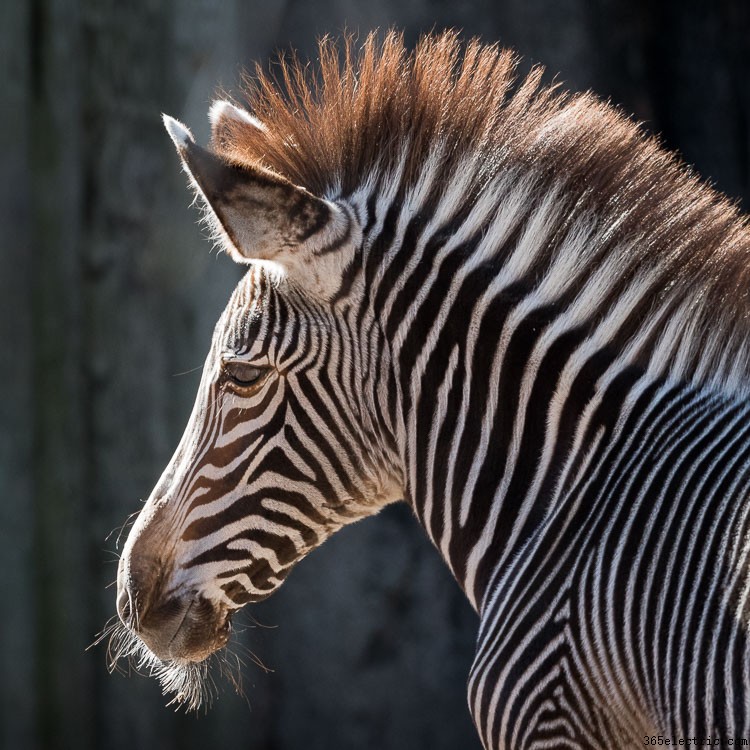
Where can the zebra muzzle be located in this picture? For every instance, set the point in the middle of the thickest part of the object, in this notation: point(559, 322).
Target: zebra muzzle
point(187, 627)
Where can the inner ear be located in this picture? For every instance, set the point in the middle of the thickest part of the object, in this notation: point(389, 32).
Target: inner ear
point(261, 215)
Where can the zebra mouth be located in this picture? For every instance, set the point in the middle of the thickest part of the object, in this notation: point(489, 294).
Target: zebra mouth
point(187, 630)
point(180, 626)
point(183, 668)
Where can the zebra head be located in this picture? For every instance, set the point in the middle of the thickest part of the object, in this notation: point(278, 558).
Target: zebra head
point(281, 449)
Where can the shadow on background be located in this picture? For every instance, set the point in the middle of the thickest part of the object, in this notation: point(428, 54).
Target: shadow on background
point(108, 295)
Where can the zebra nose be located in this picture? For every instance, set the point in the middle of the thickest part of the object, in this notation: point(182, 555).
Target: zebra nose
point(142, 609)
point(130, 592)
point(183, 625)
point(138, 589)
point(124, 610)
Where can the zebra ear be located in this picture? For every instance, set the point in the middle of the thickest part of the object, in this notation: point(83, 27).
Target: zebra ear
point(259, 214)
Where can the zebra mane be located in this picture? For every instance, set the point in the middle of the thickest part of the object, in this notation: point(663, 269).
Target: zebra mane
point(362, 114)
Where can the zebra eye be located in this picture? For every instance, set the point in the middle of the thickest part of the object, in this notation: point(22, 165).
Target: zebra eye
point(243, 374)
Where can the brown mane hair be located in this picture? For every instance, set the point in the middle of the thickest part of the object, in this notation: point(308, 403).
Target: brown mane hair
point(373, 110)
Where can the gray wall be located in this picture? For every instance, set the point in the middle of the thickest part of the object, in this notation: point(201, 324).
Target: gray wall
point(108, 294)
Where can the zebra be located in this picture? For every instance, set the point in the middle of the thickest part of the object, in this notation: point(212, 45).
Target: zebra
point(511, 308)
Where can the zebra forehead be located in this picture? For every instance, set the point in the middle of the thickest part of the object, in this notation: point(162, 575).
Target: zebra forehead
point(254, 312)
point(248, 309)
point(253, 291)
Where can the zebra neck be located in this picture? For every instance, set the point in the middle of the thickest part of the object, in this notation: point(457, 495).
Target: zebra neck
point(508, 321)
point(492, 419)
point(506, 409)
point(504, 470)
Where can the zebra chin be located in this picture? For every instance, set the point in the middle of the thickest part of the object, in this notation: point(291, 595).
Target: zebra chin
point(172, 641)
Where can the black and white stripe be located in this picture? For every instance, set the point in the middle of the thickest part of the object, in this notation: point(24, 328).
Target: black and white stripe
point(571, 436)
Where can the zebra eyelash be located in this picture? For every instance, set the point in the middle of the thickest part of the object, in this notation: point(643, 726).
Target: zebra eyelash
point(242, 376)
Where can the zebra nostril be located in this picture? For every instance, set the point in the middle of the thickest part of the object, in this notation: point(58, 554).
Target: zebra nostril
point(124, 609)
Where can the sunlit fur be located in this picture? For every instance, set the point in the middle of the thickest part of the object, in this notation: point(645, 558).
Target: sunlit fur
point(536, 333)
point(189, 683)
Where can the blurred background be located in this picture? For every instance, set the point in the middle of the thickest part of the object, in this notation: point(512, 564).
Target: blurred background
point(108, 295)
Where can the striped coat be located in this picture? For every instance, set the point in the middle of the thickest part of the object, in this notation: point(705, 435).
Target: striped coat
point(510, 308)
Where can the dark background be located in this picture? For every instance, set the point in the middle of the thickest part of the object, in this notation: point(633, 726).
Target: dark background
point(108, 294)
